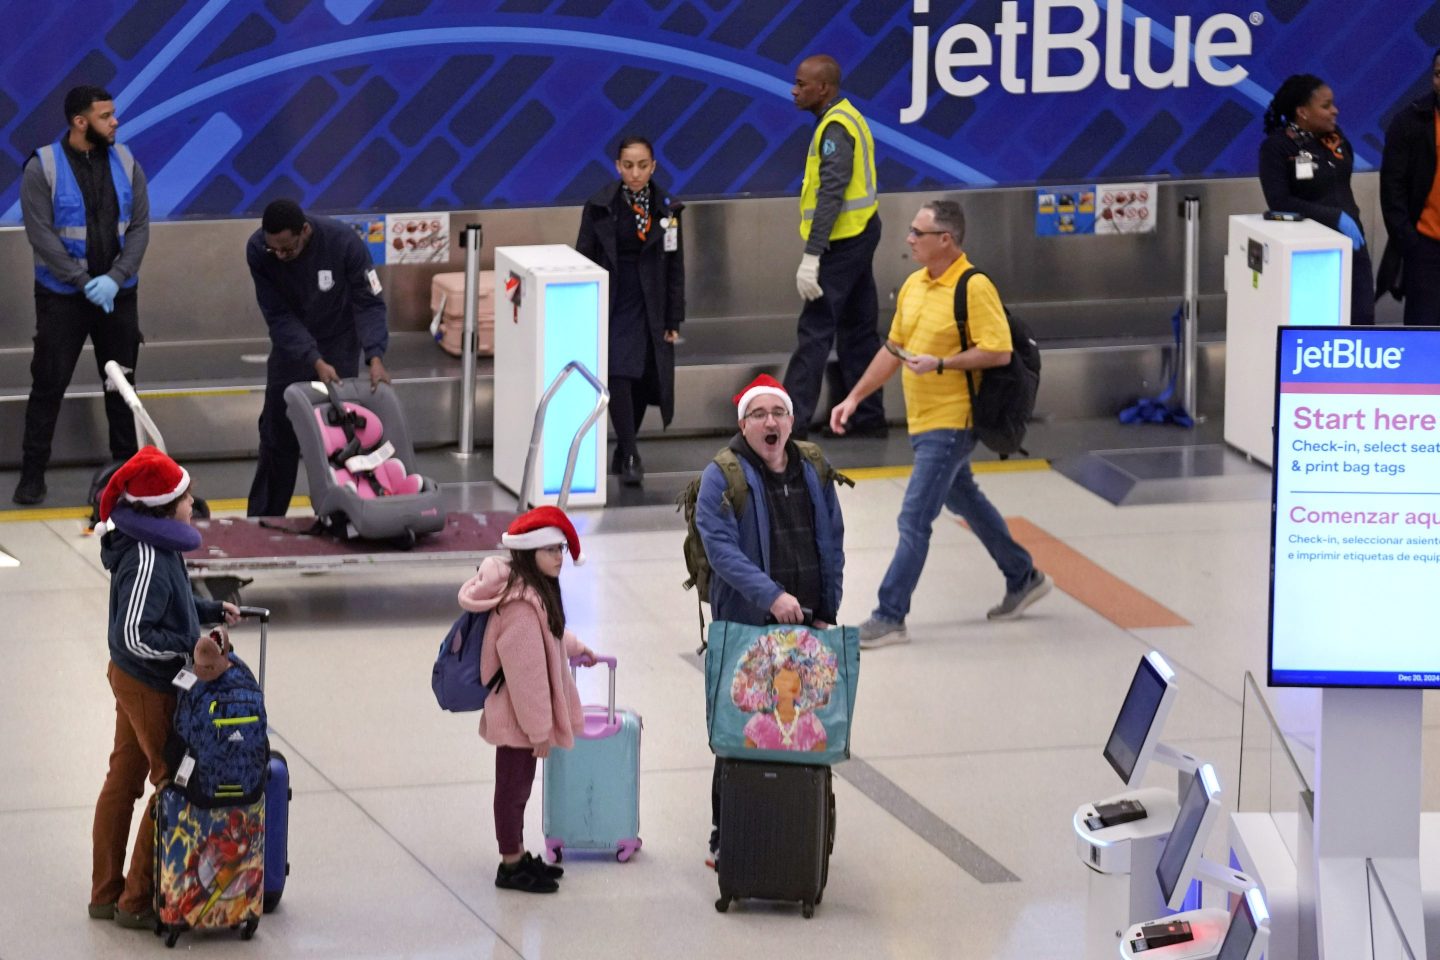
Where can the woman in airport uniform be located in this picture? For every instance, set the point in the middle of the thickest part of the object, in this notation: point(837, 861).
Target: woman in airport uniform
point(1305, 166)
point(632, 228)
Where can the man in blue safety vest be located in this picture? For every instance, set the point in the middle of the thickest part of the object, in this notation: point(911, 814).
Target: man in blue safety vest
point(841, 229)
point(87, 217)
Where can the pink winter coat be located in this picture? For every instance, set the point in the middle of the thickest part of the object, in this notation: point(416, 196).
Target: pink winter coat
point(538, 702)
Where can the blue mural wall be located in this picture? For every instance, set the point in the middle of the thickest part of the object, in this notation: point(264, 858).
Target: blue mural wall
point(358, 105)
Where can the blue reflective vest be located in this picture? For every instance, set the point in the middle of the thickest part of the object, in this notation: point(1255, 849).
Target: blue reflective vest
point(69, 207)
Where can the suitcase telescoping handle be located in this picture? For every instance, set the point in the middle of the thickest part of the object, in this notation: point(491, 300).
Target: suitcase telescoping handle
point(263, 615)
point(610, 662)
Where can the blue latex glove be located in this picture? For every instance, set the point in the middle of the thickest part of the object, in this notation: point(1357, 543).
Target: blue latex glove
point(1351, 229)
point(101, 292)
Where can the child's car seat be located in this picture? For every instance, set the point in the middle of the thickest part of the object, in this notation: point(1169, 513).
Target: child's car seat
point(356, 451)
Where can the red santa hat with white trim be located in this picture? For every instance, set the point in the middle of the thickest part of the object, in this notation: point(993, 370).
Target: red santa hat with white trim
point(543, 527)
point(760, 386)
point(150, 477)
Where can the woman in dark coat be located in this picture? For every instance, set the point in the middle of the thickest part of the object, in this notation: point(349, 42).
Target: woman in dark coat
point(1410, 203)
point(632, 229)
point(1305, 166)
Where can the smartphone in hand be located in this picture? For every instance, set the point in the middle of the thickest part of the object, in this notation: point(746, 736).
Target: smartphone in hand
point(900, 352)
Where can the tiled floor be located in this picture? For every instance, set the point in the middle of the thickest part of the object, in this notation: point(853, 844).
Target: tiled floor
point(995, 728)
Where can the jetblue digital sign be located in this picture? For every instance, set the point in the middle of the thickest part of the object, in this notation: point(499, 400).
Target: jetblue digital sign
point(1355, 514)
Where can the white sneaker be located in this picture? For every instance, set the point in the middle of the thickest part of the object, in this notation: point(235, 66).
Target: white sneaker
point(881, 633)
point(1016, 603)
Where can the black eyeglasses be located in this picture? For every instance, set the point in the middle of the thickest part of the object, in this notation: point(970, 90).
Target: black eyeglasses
point(925, 233)
point(760, 416)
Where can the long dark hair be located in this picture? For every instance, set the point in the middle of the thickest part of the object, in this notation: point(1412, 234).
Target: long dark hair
point(525, 572)
point(1293, 94)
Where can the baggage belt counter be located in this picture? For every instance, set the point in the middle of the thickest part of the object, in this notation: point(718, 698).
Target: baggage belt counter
point(242, 545)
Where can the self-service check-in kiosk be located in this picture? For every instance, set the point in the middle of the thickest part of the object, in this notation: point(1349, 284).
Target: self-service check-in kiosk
point(1124, 835)
point(552, 306)
point(1278, 273)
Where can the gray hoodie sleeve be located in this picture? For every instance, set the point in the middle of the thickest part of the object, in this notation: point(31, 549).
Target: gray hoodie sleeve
point(837, 161)
point(38, 212)
point(137, 237)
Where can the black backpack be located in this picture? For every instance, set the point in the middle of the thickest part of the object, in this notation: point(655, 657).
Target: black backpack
point(1002, 407)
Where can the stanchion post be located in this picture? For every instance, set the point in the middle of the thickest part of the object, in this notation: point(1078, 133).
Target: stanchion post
point(470, 240)
point(1189, 339)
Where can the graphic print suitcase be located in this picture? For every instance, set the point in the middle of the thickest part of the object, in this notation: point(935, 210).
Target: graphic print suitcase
point(777, 828)
point(277, 793)
point(209, 866)
point(591, 793)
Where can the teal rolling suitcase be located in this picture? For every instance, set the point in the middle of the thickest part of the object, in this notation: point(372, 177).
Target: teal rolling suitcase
point(592, 791)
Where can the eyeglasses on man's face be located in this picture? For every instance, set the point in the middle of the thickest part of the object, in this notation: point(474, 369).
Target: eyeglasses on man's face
point(915, 232)
point(760, 416)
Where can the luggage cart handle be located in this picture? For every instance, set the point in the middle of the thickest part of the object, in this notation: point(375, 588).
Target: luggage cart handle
point(263, 615)
point(602, 400)
point(610, 662)
point(144, 426)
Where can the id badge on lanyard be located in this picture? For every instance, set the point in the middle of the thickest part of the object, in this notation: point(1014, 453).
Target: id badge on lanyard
point(1304, 166)
point(671, 226)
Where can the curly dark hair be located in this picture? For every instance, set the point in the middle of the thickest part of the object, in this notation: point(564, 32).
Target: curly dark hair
point(1293, 94)
point(525, 571)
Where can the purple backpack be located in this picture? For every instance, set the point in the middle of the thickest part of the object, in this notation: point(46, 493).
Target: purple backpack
point(455, 677)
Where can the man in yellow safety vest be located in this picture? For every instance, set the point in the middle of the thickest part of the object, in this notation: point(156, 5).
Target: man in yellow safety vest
point(841, 229)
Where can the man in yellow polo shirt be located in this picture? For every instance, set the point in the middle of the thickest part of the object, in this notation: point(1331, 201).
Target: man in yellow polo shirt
point(836, 277)
point(925, 340)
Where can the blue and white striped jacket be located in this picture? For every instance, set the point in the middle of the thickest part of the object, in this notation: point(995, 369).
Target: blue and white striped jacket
point(154, 616)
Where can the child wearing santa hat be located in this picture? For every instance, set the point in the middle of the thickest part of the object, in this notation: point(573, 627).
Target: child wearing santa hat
point(154, 632)
point(536, 707)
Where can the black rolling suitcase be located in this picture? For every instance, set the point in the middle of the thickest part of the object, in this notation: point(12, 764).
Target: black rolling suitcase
point(777, 828)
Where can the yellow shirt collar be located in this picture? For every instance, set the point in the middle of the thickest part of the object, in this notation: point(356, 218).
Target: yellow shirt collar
point(951, 276)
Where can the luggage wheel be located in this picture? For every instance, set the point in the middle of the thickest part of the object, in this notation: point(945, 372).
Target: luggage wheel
point(249, 929)
point(404, 541)
point(722, 905)
point(807, 910)
point(171, 938)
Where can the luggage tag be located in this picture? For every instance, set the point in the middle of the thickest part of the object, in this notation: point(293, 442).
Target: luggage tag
point(672, 233)
point(185, 679)
point(1304, 166)
point(182, 773)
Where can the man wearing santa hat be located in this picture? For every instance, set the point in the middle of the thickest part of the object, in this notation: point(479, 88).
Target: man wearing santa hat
point(782, 557)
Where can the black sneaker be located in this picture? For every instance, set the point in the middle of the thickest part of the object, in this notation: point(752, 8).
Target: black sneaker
point(30, 490)
point(537, 866)
point(518, 877)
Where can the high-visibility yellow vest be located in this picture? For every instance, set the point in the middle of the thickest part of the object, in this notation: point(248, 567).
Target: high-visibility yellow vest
point(861, 201)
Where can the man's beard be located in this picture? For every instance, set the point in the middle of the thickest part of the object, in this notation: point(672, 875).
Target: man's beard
point(95, 139)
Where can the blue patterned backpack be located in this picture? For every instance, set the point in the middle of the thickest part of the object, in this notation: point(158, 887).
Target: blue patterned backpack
point(221, 725)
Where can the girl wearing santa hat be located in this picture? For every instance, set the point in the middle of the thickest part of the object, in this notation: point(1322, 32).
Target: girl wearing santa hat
point(155, 630)
point(536, 706)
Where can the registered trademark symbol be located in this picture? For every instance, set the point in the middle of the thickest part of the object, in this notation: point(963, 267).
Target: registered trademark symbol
point(1257, 18)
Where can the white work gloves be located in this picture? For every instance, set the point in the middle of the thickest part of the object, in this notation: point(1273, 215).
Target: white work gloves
point(807, 278)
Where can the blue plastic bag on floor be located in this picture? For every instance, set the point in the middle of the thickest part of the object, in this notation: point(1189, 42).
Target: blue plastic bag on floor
point(781, 692)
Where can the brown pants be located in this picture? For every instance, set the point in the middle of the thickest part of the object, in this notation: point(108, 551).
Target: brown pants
point(143, 717)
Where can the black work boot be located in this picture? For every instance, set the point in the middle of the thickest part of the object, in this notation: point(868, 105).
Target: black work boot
point(30, 490)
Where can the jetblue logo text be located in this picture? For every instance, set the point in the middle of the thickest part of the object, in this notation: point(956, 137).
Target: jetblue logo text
point(1345, 355)
point(965, 49)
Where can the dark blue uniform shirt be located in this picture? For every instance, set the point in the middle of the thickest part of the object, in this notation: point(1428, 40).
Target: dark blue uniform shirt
point(324, 303)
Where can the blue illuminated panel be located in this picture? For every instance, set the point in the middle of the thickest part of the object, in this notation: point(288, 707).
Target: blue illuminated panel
point(1315, 288)
point(572, 312)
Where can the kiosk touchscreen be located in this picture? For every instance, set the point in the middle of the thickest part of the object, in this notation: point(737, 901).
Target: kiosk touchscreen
point(1249, 930)
point(1142, 716)
point(1180, 860)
